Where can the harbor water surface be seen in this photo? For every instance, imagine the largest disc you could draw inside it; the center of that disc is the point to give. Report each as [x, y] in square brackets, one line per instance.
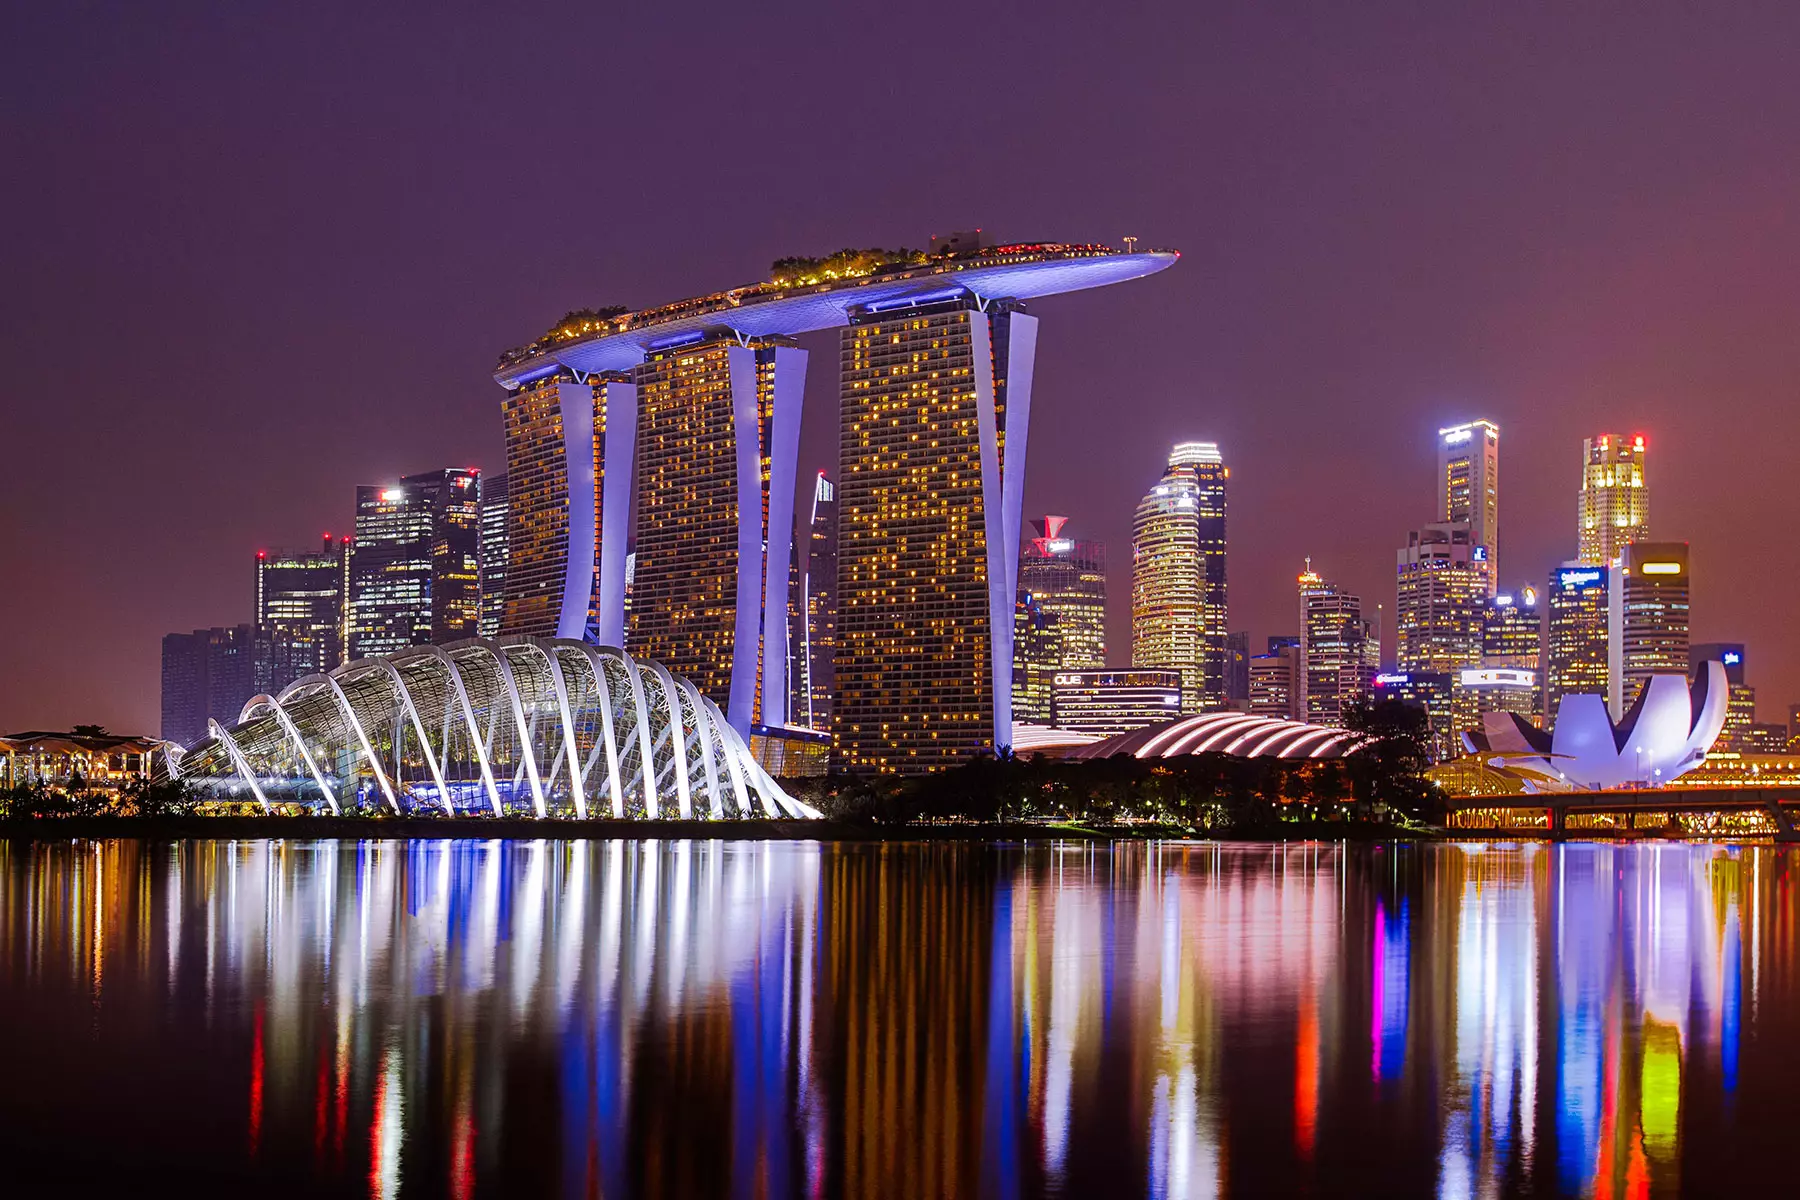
[775, 1019]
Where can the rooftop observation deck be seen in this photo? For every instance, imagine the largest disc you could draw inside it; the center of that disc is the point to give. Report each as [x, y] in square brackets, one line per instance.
[802, 305]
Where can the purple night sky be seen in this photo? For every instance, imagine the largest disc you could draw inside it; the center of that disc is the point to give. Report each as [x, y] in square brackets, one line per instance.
[256, 257]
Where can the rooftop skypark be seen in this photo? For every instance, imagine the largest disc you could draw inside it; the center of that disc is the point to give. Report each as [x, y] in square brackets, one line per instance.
[1023, 270]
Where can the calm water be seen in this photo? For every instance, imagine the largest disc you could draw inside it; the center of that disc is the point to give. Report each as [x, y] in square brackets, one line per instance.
[787, 1019]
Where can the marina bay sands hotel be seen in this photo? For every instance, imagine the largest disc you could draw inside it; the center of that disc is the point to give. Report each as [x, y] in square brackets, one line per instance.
[675, 431]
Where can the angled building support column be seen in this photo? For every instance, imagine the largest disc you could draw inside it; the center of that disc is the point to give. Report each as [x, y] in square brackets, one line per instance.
[615, 508]
[778, 544]
[1003, 423]
[577, 401]
[747, 436]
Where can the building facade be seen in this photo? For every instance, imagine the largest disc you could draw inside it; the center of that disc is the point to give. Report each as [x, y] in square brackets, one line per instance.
[813, 620]
[1441, 588]
[1614, 503]
[1178, 576]
[302, 606]
[1476, 691]
[1274, 683]
[1468, 484]
[1512, 639]
[1105, 702]
[563, 429]
[494, 554]
[935, 408]
[1740, 712]
[1653, 630]
[1579, 654]
[415, 574]
[718, 430]
[1061, 614]
[210, 674]
[1335, 644]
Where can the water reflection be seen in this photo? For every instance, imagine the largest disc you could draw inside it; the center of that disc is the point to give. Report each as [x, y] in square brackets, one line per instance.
[772, 1019]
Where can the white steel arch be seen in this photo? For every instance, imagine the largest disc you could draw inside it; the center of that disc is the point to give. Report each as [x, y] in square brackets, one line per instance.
[368, 708]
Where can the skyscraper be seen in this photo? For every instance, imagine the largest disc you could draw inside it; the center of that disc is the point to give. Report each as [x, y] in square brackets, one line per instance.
[813, 625]
[1614, 504]
[1178, 584]
[1579, 656]
[1068, 577]
[715, 496]
[494, 554]
[1334, 649]
[1211, 473]
[936, 395]
[1441, 588]
[1062, 597]
[1653, 628]
[415, 563]
[562, 503]
[1468, 484]
[302, 605]
[212, 674]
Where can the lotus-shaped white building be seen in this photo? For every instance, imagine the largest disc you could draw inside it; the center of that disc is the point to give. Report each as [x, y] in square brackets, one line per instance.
[525, 726]
[1667, 732]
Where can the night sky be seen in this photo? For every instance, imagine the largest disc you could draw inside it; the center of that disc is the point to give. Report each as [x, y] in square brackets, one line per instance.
[254, 257]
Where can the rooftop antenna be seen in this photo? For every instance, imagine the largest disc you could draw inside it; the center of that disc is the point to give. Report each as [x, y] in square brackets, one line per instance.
[1131, 245]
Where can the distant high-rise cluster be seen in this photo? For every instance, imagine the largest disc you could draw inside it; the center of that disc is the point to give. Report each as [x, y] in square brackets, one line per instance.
[1178, 581]
[902, 616]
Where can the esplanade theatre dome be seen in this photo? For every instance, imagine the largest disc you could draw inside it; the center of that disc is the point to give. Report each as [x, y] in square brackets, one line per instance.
[521, 726]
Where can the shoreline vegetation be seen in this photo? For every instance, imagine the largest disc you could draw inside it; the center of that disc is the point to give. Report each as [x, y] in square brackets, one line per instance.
[1380, 793]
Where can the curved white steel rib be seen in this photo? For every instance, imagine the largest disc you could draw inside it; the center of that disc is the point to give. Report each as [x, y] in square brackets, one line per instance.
[703, 735]
[732, 768]
[293, 733]
[518, 707]
[468, 711]
[362, 735]
[684, 799]
[570, 747]
[238, 760]
[607, 740]
[412, 710]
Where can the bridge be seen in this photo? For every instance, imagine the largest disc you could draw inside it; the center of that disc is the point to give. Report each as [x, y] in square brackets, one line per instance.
[1725, 811]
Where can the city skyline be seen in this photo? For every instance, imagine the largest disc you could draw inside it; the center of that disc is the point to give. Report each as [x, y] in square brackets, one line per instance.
[1346, 294]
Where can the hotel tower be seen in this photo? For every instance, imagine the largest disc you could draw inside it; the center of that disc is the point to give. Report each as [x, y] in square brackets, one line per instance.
[935, 401]
[718, 435]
